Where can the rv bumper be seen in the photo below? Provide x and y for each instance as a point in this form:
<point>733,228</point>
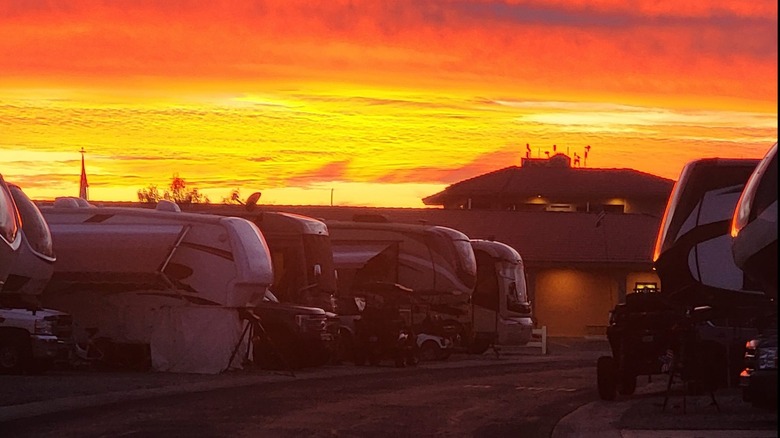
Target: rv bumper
<point>516,331</point>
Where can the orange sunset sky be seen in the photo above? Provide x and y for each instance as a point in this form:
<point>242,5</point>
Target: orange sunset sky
<point>384,102</point>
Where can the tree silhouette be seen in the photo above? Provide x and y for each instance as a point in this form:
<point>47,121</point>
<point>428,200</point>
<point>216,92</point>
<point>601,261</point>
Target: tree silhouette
<point>234,198</point>
<point>176,192</point>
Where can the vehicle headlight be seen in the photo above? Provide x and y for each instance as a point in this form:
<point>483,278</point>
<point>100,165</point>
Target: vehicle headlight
<point>767,358</point>
<point>43,327</point>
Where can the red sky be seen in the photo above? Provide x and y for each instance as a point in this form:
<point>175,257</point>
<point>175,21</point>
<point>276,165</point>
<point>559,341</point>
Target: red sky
<point>384,102</point>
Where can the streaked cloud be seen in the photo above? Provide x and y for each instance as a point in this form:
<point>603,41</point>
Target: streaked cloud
<point>285,96</point>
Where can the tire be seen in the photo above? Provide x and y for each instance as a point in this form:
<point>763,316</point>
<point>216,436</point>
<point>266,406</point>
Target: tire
<point>606,376</point>
<point>15,356</point>
<point>429,351</point>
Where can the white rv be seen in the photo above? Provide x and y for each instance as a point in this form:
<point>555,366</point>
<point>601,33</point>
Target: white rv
<point>31,337</point>
<point>500,301</point>
<point>171,281</point>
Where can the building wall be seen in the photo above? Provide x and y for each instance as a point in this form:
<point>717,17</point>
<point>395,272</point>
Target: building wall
<point>573,302</point>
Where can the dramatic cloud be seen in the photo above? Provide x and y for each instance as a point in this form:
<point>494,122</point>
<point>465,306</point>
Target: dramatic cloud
<point>280,94</point>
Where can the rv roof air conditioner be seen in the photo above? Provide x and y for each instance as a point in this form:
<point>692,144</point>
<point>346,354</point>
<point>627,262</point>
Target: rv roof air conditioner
<point>71,202</point>
<point>166,205</point>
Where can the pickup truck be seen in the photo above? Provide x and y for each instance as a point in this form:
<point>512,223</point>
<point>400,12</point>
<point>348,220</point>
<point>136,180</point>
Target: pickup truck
<point>32,340</point>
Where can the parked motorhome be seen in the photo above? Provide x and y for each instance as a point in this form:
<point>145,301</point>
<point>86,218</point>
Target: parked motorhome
<point>31,338</point>
<point>158,282</point>
<point>500,301</point>
<point>754,247</point>
<point>302,258</point>
<point>436,263</point>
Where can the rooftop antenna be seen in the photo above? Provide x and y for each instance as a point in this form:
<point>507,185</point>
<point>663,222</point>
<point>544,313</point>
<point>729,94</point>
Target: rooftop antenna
<point>585,161</point>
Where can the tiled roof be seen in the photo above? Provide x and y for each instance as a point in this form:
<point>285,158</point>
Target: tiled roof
<point>530,181</point>
<point>539,237</point>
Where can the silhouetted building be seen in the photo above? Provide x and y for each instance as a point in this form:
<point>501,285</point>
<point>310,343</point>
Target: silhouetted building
<point>542,184</point>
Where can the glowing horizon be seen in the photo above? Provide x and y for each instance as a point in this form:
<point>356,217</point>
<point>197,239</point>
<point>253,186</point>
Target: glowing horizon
<point>381,104</point>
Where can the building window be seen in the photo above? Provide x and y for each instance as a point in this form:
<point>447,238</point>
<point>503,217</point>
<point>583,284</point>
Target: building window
<point>613,208</point>
<point>560,207</point>
<point>643,286</point>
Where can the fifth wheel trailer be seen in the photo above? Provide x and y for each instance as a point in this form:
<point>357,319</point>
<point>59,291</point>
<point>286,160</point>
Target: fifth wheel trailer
<point>754,247</point>
<point>705,308</point>
<point>159,282</point>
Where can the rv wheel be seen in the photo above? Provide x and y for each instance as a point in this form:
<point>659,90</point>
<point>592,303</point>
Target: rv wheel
<point>429,351</point>
<point>606,377</point>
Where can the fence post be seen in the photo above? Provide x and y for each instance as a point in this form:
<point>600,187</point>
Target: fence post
<point>539,337</point>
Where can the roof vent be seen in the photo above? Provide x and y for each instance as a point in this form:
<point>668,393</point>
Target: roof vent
<point>373,218</point>
<point>166,205</point>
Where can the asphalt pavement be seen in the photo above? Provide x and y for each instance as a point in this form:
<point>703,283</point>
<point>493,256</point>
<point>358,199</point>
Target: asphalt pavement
<point>641,415</point>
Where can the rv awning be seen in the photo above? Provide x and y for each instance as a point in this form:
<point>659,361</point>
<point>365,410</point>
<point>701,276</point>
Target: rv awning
<point>355,256</point>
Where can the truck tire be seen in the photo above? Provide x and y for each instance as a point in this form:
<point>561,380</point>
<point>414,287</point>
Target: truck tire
<point>429,351</point>
<point>606,377</point>
<point>15,355</point>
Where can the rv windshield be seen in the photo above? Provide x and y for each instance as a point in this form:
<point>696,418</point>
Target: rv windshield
<point>35,228</point>
<point>462,252</point>
<point>519,294</point>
